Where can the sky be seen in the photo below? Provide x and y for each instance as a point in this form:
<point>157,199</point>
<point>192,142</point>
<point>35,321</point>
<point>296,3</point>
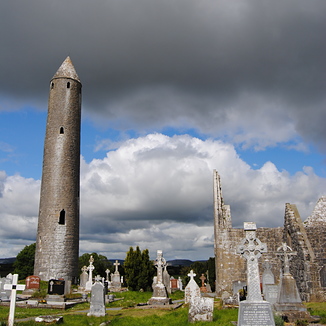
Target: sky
<point>172,89</point>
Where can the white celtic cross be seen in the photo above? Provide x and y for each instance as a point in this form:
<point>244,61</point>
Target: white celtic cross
<point>13,288</point>
<point>251,249</point>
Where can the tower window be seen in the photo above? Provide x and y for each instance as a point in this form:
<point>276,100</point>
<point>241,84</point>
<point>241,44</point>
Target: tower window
<point>68,85</point>
<point>52,85</point>
<point>62,217</point>
<point>62,130</point>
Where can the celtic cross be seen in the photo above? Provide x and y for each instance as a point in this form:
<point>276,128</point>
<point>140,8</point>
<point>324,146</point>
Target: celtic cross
<point>251,249</point>
<point>286,252</point>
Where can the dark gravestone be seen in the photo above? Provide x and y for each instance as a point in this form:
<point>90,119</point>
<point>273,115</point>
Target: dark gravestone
<point>56,287</point>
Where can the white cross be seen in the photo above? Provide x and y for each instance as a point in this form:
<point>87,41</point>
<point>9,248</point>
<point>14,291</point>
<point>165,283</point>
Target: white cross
<point>13,288</point>
<point>191,275</point>
<point>116,264</point>
<point>107,271</point>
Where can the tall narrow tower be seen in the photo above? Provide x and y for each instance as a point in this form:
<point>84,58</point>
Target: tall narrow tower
<point>57,243</point>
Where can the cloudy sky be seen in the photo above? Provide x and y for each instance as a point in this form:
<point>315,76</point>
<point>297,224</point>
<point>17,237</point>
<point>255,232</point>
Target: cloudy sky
<point>172,89</point>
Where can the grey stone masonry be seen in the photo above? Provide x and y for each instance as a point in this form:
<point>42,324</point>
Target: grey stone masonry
<point>57,242</point>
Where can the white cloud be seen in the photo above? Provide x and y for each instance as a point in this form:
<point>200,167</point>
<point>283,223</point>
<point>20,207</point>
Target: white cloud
<point>156,192</point>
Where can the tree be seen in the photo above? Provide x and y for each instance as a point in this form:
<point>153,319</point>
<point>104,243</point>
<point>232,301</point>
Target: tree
<point>24,263</point>
<point>101,263</point>
<point>139,269</point>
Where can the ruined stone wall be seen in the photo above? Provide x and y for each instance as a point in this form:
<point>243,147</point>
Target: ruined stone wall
<point>231,267</point>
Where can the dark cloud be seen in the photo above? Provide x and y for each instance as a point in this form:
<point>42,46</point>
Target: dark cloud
<point>147,64</point>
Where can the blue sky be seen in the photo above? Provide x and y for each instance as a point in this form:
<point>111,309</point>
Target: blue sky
<point>171,91</point>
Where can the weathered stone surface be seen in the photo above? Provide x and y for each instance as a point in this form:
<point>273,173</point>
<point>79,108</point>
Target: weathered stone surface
<point>57,242</point>
<point>201,309</point>
<point>308,239</point>
<point>49,319</point>
<point>255,314</point>
<point>97,307</point>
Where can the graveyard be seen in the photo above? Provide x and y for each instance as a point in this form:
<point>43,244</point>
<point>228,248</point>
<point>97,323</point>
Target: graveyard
<point>261,277</point>
<point>103,300</point>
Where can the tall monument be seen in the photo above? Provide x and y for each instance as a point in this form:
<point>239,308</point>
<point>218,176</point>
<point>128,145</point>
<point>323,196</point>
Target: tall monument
<point>57,243</point>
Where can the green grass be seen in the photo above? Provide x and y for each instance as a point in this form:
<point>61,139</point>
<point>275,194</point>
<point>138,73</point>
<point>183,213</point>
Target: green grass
<point>136,316</point>
<point>317,309</point>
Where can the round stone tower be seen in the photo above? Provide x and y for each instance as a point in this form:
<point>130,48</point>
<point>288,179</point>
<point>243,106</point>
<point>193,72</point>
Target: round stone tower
<point>57,243</point>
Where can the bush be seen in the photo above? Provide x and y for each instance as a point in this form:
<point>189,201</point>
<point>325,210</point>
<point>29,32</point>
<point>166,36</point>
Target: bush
<point>300,322</point>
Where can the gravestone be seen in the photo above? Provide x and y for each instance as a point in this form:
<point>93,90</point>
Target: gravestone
<point>180,285</point>
<point>115,278</point>
<point>268,276</point>
<point>4,294</point>
<point>83,277</point>
<point>192,289</point>
<point>107,272</point>
<point>174,284</point>
<point>56,287</point>
<point>160,295</point>
<point>166,279</point>
<point>97,306</point>
<point>271,293</point>
<point>253,311</point>
<point>289,303</point>
<point>90,269</point>
<point>201,309</point>
<point>203,286</point>
<point>32,282</point>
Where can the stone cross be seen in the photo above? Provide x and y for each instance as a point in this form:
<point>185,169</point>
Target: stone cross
<point>202,278</point>
<point>98,278</point>
<point>116,264</point>
<point>160,263</point>
<point>84,269</point>
<point>287,254</point>
<point>251,249</point>
<point>13,287</point>
<point>90,268</point>
<point>107,271</point>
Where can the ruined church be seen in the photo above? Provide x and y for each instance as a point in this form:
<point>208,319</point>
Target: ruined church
<point>308,238</point>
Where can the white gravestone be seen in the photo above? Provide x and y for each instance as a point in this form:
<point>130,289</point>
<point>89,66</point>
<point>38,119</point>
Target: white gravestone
<point>254,311</point>
<point>97,306</point>
<point>83,277</point>
<point>13,287</point>
<point>160,295</point>
<point>192,289</point>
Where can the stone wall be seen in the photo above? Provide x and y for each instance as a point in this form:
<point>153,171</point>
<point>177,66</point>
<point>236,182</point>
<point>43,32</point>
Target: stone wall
<point>308,239</point>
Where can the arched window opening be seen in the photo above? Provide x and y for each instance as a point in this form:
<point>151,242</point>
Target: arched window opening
<point>62,217</point>
<point>52,85</point>
<point>62,131</point>
<point>68,85</point>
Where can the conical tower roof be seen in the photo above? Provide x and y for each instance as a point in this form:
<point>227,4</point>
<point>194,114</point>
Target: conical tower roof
<point>67,70</point>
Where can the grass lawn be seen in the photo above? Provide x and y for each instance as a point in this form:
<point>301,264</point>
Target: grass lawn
<point>129,316</point>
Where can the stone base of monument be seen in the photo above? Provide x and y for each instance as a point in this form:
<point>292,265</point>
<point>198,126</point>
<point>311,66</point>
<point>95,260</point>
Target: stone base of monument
<point>255,313</point>
<point>292,312</point>
<point>55,298</point>
<point>160,296</point>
